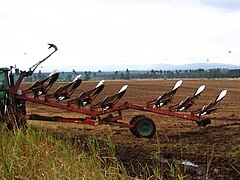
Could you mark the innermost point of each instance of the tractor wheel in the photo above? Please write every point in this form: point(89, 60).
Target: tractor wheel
point(1, 111)
point(21, 110)
point(133, 121)
point(144, 127)
point(17, 121)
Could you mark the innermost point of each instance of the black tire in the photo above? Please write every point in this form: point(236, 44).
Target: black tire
point(144, 127)
point(21, 110)
point(133, 121)
point(17, 121)
point(1, 112)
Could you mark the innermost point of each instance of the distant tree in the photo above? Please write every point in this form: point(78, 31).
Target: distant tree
point(87, 76)
point(115, 75)
point(122, 76)
point(69, 77)
point(35, 77)
point(89, 73)
point(40, 75)
point(94, 74)
point(127, 74)
point(153, 74)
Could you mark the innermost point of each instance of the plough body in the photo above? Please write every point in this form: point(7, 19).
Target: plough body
point(107, 111)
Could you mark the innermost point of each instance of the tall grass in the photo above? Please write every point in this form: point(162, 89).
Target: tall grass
point(38, 154)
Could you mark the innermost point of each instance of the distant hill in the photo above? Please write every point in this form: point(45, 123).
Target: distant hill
point(192, 66)
point(148, 67)
point(207, 66)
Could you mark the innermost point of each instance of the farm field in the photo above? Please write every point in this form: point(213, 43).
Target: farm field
point(214, 149)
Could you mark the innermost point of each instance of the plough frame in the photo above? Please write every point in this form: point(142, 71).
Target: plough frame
point(102, 112)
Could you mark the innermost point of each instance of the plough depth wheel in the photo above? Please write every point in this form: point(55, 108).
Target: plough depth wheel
point(143, 126)
point(133, 121)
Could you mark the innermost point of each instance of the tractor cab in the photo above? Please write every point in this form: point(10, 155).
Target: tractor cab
point(4, 81)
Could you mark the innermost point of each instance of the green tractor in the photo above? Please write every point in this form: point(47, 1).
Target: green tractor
point(13, 109)
point(4, 82)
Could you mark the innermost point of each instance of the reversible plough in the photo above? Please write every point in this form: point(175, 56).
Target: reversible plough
point(107, 111)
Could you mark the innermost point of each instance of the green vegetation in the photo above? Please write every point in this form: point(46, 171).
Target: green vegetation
point(39, 154)
point(234, 151)
point(141, 74)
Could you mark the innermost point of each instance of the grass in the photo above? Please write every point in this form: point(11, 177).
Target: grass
point(235, 151)
point(36, 154)
point(39, 154)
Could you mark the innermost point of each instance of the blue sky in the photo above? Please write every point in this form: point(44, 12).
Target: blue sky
point(105, 32)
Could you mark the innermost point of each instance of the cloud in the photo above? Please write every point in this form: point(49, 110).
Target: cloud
point(223, 4)
point(115, 32)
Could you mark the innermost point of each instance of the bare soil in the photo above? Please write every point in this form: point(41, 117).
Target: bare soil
point(215, 149)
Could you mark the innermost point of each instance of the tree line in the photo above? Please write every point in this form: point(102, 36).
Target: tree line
point(165, 74)
point(152, 74)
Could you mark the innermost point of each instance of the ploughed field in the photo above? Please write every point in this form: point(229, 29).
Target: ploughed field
point(214, 150)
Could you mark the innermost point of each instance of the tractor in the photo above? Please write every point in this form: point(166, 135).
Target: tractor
point(13, 110)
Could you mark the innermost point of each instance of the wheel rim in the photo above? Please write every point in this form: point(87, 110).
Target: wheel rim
point(145, 129)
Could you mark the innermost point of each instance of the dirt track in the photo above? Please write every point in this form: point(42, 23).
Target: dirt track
point(215, 148)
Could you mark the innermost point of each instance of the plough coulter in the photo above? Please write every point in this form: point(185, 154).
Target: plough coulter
point(107, 111)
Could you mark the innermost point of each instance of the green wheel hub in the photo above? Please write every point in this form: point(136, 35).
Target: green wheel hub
point(145, 128)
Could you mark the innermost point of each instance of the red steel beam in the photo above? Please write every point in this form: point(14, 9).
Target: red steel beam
point(58, 105)
point(127, 105)
point(96, 112)
point(162, 112)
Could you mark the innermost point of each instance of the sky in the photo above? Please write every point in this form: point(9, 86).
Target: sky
point(93, 33)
